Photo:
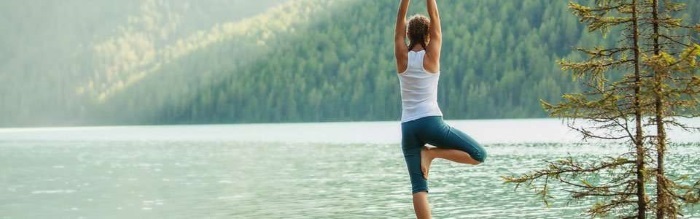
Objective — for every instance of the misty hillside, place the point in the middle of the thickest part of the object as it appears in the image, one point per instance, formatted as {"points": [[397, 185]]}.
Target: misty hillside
{"points": [[59, 57], [85, 62]]}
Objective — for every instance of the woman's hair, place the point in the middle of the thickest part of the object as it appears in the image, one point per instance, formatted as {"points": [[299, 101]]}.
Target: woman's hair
{"points": [[418, 31]]}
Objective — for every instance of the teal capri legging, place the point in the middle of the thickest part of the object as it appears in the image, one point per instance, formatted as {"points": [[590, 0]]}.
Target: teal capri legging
{"points": [[433, 130]]}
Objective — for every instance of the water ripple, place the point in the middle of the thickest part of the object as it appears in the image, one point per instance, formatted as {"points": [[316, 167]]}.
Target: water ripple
{"points": [[230, 179]]}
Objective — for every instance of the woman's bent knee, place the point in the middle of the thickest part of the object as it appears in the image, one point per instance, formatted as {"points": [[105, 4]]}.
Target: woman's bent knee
{"points": [[480, 157]]}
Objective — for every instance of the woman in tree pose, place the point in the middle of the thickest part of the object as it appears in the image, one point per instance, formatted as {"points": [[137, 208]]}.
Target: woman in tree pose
{"points": [[418, 67]]}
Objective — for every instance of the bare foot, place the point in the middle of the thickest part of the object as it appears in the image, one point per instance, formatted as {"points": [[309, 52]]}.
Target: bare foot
{"points": [[425, 161]]}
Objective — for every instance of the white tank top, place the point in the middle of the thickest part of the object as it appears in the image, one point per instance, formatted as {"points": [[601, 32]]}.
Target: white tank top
{"points": [[419, 89]]}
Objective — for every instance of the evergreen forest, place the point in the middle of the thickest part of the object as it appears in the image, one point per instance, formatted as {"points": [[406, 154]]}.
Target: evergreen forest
{"points": [[138, 62]]}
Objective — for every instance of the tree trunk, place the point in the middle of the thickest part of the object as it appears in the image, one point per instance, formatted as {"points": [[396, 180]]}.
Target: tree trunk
{"points": [[638, 140], [663, 203]]}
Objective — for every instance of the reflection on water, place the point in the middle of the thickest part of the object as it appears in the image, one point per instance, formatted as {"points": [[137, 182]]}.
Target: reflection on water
{"points": [[132, 178]]}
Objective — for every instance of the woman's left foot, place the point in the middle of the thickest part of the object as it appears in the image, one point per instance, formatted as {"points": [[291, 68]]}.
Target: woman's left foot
{"points": [[425, 161]]}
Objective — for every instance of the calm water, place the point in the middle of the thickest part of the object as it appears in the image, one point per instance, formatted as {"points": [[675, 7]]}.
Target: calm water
{"points": [[325, 170]]}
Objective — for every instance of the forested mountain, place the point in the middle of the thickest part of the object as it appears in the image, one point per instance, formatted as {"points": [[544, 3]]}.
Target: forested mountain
{"points": [[86, 62]]}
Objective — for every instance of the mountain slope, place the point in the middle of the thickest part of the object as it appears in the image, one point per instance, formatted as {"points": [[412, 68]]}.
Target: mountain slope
{"points": [[58, 58], [498, 61], [495, 65], [172, 62]]}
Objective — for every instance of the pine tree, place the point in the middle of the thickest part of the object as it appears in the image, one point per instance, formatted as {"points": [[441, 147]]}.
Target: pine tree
{"points": [[673, 86], [613, 103], [662, 86]]}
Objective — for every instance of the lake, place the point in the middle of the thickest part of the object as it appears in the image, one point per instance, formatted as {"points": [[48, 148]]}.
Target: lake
{"points": [[308, 170]]}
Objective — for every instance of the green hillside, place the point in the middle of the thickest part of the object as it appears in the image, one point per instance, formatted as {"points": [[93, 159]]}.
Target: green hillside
{"points": [[215, 61], [59, 58]]}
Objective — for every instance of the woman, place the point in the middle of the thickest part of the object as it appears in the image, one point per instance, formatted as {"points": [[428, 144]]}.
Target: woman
{"points": [[418, 67]]}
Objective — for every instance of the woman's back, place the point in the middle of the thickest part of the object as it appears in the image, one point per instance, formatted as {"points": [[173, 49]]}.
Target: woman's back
{"points": [[418, 89]]}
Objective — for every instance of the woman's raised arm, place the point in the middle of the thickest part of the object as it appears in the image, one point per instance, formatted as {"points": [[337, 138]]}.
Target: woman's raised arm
{"points": [[400, 47], [435, 45]]}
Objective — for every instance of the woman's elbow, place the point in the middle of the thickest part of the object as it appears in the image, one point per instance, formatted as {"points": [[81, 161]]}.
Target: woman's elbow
{"points": [[399, 38], [436, 37]]}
